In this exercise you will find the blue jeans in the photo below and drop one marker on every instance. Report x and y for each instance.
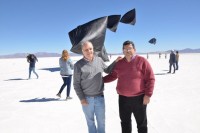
(30, 70)
(95, 107)
(66, 82)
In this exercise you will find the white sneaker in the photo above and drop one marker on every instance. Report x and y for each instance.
(68, 98)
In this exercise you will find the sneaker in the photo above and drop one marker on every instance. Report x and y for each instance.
(68, 98)
(59, 95)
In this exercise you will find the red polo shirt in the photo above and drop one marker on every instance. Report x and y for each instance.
(134, 78)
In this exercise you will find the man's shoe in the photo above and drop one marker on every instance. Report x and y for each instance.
(59, 95)
(68, 98)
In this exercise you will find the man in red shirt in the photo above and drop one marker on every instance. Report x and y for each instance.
(135, 87)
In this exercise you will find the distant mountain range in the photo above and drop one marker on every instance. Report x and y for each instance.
(38, 54)
(187, 50)
(23, 55)
(46, 54)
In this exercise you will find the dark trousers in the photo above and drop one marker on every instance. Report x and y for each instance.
(129, 105)
(67, 82)
(176, 65)
(170, 67)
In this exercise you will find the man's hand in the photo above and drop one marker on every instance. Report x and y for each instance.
(146, 100)
(118, 58)
(84, 102)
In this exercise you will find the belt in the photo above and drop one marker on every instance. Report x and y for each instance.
(96, 96)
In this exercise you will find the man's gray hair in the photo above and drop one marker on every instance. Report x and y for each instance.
(84, 43)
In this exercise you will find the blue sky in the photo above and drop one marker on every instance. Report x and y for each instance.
(30, 26)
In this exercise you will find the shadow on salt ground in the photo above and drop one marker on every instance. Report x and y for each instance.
(44, 99)
(54, 69)
(161, 74)
(15, 79)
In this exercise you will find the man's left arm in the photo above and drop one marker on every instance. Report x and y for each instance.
(149, 82)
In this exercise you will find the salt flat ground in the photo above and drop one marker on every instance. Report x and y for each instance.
(31, 106)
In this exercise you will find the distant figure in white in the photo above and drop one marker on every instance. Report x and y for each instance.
(31, 59)
(66, 67)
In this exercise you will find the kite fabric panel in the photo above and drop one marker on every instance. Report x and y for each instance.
(95, 32)
(113, 22)
(152, 41)
(129, 17)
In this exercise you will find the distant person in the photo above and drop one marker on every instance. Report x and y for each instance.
(31, 59)
(159, 55)
(89, 87)
(177, 59)
(66, 67)
(135, 87)
(172, 61)
(165, 55)
(147, 55)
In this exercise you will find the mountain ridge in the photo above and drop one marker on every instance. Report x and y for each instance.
(49, 54)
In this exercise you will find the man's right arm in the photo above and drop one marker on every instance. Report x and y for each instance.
(108, 69)
(110, 77)
(77, 82)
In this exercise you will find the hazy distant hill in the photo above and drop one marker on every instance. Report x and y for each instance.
(38, 54)
(23, 55)
(187, 50)
(46, 54)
